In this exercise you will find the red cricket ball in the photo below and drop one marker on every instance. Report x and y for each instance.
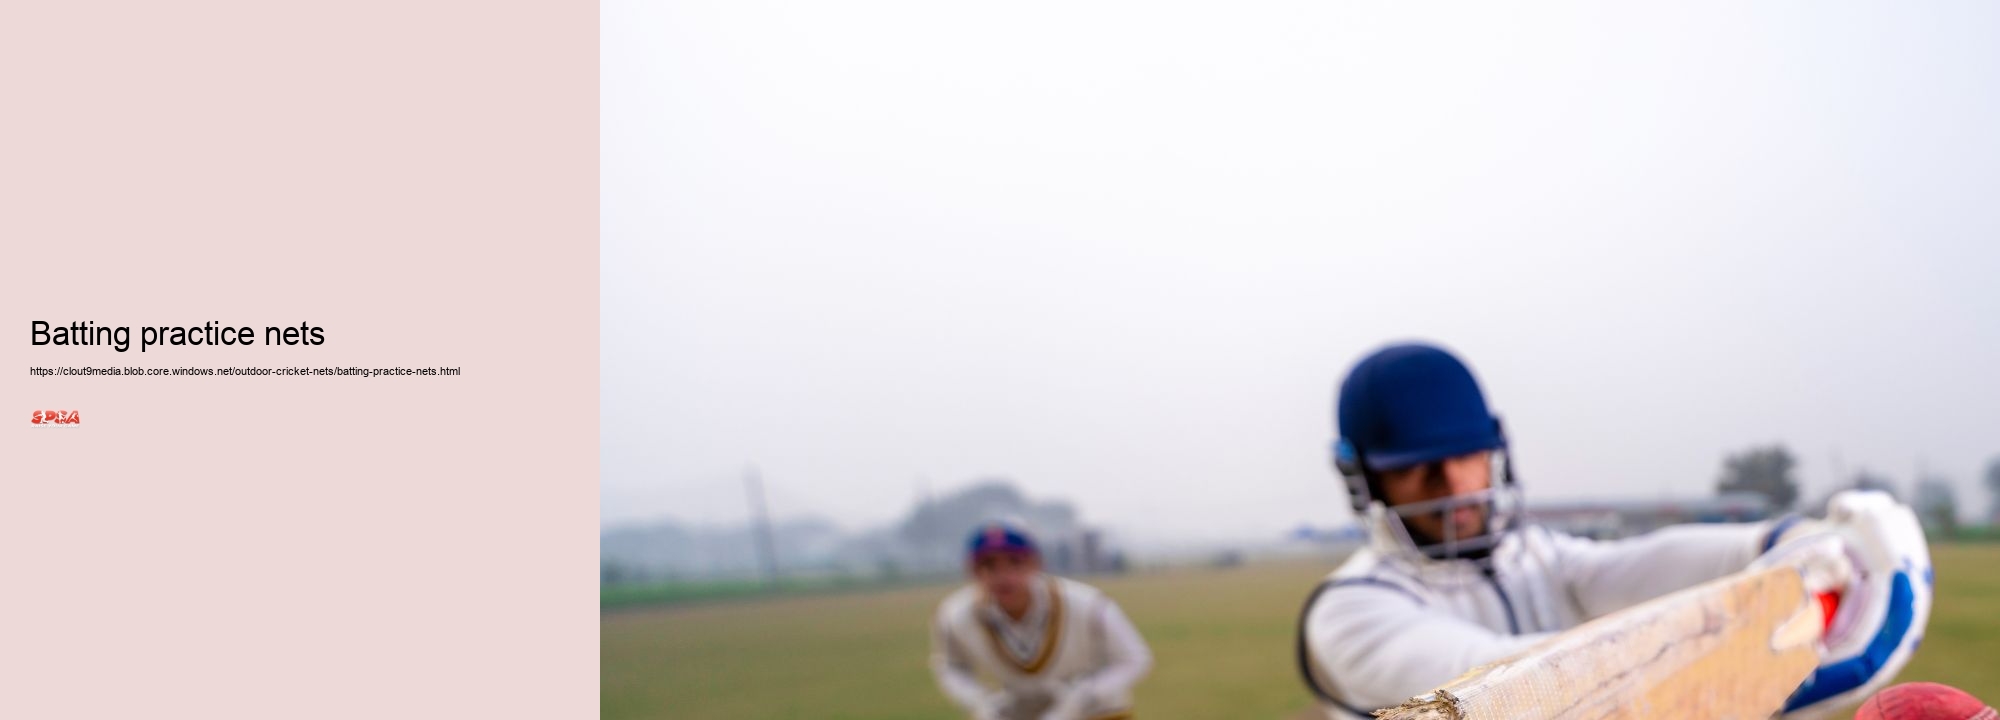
(1924, 701)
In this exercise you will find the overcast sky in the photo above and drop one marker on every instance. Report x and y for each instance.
(1123, 252)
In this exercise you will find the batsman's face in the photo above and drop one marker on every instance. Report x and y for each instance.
(1006, 577)
(1457, 475)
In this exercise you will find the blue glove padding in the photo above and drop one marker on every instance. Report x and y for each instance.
(1839, 677)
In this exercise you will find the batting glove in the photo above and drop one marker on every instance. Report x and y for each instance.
(1871, 569)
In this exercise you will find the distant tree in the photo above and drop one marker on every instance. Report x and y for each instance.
(943, 522)
(1937, 506)
(1766, 471)
(1866, 480)
(1993, 490)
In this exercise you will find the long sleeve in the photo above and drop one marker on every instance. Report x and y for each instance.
(1128, 658)
(954, 671)
(1380, 646)
(1604, 577)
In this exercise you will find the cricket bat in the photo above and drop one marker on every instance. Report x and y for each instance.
(1735, 647)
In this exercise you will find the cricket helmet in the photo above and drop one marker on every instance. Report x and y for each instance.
(1411, 404)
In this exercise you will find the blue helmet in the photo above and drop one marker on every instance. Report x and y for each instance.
(1406, 405)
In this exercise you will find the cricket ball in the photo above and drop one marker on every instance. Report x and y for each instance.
(1924, 701)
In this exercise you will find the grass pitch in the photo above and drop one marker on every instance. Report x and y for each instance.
(1221, 639)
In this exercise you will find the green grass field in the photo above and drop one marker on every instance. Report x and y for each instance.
(1221, 639)
(619, 597)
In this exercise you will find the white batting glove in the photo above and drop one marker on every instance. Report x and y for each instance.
(1883, 595)
(1818, 553)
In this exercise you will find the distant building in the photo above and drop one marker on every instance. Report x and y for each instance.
(1609, 519)
(1599, 519)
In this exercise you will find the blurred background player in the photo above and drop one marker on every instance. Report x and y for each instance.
(1450, 578)
(1020, 644)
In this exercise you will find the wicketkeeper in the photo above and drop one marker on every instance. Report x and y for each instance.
(1020, 644)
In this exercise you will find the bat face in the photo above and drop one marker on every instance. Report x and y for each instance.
(1735, 647)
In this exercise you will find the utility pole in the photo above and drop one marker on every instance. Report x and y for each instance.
(760, 524)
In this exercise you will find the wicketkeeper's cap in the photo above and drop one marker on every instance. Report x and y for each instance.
(999, 536)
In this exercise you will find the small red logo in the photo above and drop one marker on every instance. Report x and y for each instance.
(56, 417)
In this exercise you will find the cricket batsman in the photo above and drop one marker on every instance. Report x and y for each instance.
(1020, 644)
(1452, 579)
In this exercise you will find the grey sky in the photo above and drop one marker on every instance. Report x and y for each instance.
(1122, 252)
